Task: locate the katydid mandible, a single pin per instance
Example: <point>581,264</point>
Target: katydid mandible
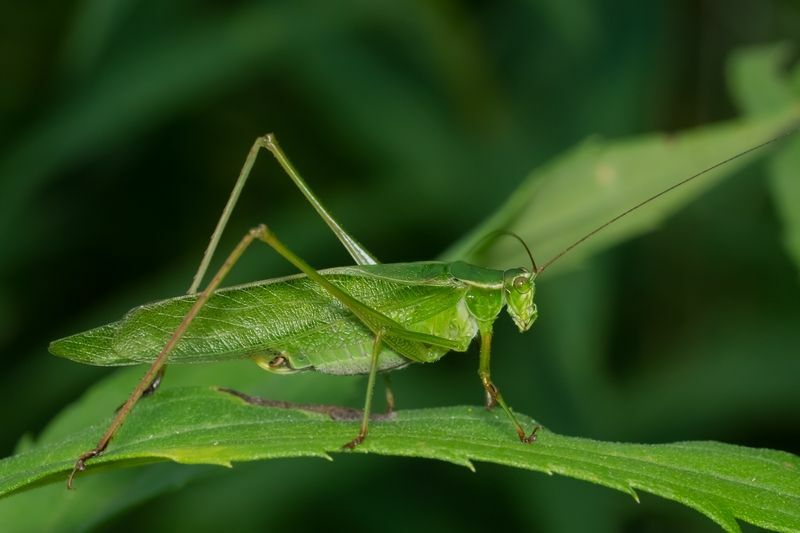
<point>362,319</point>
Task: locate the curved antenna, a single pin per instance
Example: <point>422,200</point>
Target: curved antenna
<point>792,129</point>
<point>500,232</point>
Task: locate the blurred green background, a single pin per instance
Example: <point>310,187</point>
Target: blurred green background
<point>125,123</point>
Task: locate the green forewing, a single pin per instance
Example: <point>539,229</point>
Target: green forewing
<point>293,317</point>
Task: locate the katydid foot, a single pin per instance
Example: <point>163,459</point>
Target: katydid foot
<point>493,398</point>
<point>356,441</point>
<point>80,464</point>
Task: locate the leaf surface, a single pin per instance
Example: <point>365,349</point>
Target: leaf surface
<point>203,425</point>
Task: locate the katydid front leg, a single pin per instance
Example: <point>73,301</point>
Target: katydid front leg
<point>493,396</point>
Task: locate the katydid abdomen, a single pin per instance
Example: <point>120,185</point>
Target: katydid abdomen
<point>289,324</point>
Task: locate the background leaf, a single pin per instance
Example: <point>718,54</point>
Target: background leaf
<point>760,86</point>
<point>584,188</point>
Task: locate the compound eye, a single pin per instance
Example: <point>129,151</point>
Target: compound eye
<point>521,284</point>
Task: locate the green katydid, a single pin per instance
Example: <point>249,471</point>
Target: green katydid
<point>361,319</point>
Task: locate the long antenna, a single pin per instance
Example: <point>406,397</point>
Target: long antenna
<point>500,233</point>
<point>792,129</point>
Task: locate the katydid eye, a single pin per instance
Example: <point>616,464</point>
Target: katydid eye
<point>521,284</point>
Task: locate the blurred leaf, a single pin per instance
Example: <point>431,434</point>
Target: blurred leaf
<point>199,425</point>
<point>713,379</point>
<point>94,26</point>
<point>160,76</point>
<point>757,83</point>
<point>584,188</point>
<point>760,86</point>
<point>100,498</point>
<point>785,186</point>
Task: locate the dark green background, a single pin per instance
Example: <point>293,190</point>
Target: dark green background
<point>123,127</point>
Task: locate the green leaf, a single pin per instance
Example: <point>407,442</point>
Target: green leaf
<point>202,425</point>
<point>566,199</point>
<point>760,87</point>
<point>785,187</point>
<point>547,212</point>
<point>756,81</point>
<point>52,508</point>
<point>199,425</point>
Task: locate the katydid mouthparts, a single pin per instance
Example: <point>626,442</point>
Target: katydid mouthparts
<point>360,319</point>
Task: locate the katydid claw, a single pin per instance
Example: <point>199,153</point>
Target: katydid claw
<point>355,442</point>
<point>80,466</point>
<point>530,439</point>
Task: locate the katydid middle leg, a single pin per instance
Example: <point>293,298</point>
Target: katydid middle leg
<point>373,370</point>
<point>155,383</point>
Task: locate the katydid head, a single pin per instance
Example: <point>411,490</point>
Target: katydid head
<point>518,286</point>
<point>519,289</point>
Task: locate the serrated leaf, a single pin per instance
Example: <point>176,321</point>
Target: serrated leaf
<point>202,425</point>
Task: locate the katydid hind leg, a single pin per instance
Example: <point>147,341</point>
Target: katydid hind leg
<point>153,387</point>
<point>268,142</point>
<point>155,372</point>
<point>493,396</point>
<point>356,250</point>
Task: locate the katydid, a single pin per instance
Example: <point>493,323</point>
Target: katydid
<point>360,319</point>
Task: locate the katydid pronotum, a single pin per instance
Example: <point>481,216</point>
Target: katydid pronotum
<point>361,319</point>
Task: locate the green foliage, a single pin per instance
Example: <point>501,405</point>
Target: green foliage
<point>761,88</point>
<point>585,187</point>
<point>204,426</point>
<point>124,123</point>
